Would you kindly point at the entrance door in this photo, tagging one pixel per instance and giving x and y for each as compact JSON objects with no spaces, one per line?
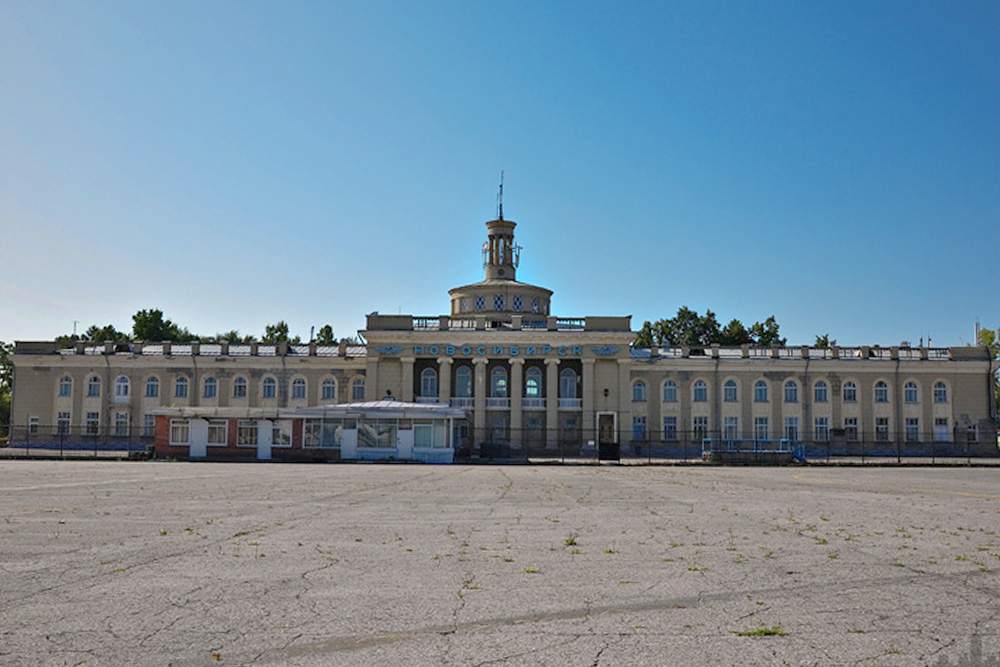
{"x":607,"y":443}
{"x":265,"y":429}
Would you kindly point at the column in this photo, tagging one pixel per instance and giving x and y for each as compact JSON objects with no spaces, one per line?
{"x":444,"y":380}
{"x":516,"y":389}
{"x":625,"y":401}
{"x":371,"y":381}
{"x":552,"y":403}
{"x":406,"y":395}
{"x":587,"y":424}
{"x":479,"y":413}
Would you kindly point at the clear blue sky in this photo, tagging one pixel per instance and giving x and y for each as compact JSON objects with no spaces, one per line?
{"x":834,"y":164}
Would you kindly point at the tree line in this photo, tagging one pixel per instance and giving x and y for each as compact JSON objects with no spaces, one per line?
{"x":690,"y":328}
{"x":150,"y":325}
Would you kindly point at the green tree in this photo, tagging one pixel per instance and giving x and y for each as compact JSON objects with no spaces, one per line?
{"x":767,"y":333}
{"x":991,"y":339}
{"x":6,"y":384}
{"x":150,"y":325}
{"x":108,"y":332}
{"x":734,"y":333}
{"x":325,"y":336}
{"x":644,"y":337}
{"x":233,"y":337}
{"x":824,"y":342}
{"x":278,"y":333}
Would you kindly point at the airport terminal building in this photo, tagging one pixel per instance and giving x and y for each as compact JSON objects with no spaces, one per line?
{"x":498,"y":375}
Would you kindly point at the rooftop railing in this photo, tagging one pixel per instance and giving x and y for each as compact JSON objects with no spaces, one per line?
{"x":485,"y":322}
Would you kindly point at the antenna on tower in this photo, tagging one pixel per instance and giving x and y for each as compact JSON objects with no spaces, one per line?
{"x":500,"y":198}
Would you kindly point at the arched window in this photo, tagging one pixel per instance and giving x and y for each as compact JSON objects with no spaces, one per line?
{"x":210,"y":388}
{"x":358,"y":389}
{"x":181,"y":387}
{"x":298,"y":388}
{"x":940,"y":392}
{"x":669,"y":391}
{"x":152,"y":387}
{"x":881,"y":392}
{"x":760,"y":391}
{"x":730,"y":391}
{"x":699,"y":393}
{"x":329,"y":389}
{"x":533,"y":382}
{"x":498,"y":382}
{"x":639,"y":391}
{"x":65,"y":386}
{"x":850,"y":392}
{"x":240,"y":387}
{"x":820,"y":392}
{"x":910,"y":393}
{"x":94,"y":386}
{"x":269,"y":388}
{"x":791,"y":392}
{"x":463,"y":382}
{"x":567,"y":383}
{"x":121,"y":387}
{"x":428,"y":383}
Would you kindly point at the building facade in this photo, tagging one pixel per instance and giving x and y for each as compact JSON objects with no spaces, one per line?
{"x":521,"y":379}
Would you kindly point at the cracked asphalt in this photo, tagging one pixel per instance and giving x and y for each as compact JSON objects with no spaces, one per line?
{"x":194,"y":564}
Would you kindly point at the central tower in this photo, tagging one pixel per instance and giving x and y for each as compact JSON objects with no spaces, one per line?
{"x":500,"y":255}
{"x":499,"y":296}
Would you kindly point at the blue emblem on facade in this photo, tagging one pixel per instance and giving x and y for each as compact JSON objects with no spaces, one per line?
{"x":605,"y":350}
{"x":388,"y":349}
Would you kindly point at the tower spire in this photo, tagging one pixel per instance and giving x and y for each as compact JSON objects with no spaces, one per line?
{"x":500,"y":198}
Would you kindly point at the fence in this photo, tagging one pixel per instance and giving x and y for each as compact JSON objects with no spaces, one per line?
{"x":75,"y":441}
{"x":581,"y":446}
{"x":569,"y":445}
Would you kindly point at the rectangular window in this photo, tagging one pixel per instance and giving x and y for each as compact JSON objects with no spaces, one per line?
{"x":851,"y":429}
{"x":881,"y":429}
{"x":246,"y":433}
{"x":912,"y":429}
{"x":941,"y":431}
{"x":792,"y":428}
{"x":218,"y":432}
{"x":93,"y":423}
{"x":731,"y":428}
{"x":148,"y":426}
{"x":700,"y":427}
{"x":281,"y":433}
{"x":179,"y":431}
{"x":62,"y":423}
{"x":377,"y":433}
{"x":670,"y":428}
{"x":32,"y":425}
{"x":972,"y":434}
{"x":760,"y":428}
{"x":430,"y":433}
{"x":639,"y":428}
{"x":822,"y":429}
{"x":121,"y":424}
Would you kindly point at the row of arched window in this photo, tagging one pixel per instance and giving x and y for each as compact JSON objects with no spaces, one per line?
{"x":821,"y":391}
{"x":499,"y":382}
{"x":210,"y":387}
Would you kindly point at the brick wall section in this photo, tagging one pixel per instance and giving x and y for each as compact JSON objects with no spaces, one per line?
{"x":297,"y":425}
